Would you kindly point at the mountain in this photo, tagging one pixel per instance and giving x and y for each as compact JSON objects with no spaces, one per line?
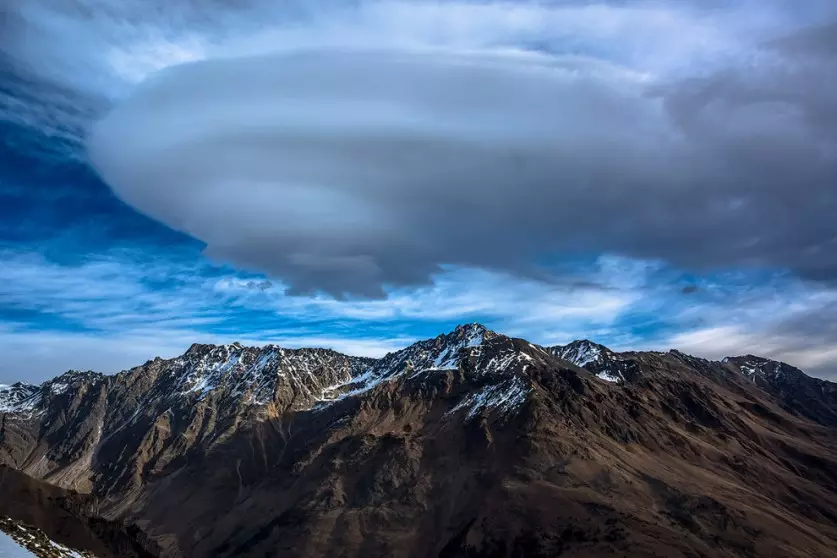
{"x":19,"y":397}
{"x":796,"y":392}
{"x":799,"y":393}
{"x":468,"y":444}
{"x":598,"y":359}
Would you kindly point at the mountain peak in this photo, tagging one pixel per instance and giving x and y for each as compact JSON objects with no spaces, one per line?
{"x":580,"y":352}
{"x":75,"y":374}
{"x":72,"y":378}
{"x":587,"y":343}
{"x":471,"y":326}
{"x":19,"y":397}
{"x":754,"y":367}
{"x":596,"y":358}
{"x":473,"y":332}
{"x":198,"y":349}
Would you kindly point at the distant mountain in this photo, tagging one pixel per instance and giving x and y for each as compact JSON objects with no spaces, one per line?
{"x":468,"y":444}
{"x":799,"y":393}
{"x":19,"y":397}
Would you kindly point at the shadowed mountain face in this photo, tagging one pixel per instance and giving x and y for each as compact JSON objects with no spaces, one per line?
{"x":469,"y":444}
{"x":65,"y":521}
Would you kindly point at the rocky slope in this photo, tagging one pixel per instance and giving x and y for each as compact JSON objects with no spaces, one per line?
{"x":83,"y":428}
{"x":468,"y":444}
{"x":799,"y":393}
{"x":53,"y":522}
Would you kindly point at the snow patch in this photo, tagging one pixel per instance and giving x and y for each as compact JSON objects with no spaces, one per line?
{"x":504,"y":397}
{"x":579,"y":353}
{"x":608,"y":377}
{"x":57,"y":388}
{"x":363,"y":383}
{"x":19,"y":398}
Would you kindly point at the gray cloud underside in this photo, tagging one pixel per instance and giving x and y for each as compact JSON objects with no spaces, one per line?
{"x":346,"y":171}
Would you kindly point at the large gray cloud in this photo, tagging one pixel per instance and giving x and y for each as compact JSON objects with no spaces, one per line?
{"x":345,"y":171}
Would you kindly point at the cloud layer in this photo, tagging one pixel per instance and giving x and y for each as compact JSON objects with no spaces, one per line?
{"x":345,"y":171}
{"x":344,"y":147}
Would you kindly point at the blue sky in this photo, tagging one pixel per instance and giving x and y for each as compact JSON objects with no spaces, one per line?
{"x":126,"y":235}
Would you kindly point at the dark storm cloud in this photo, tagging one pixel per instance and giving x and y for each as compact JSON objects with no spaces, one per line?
{"x":768,"y":133}
{"x":346,"y":171}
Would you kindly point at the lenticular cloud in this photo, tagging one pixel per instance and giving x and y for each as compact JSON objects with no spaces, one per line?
{"x":346,"y":172}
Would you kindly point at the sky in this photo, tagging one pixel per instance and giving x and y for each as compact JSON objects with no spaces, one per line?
{"x":360,"y":175}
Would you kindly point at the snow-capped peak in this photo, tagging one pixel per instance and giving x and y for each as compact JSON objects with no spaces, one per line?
{"x":474,"y":331}
{"x":581,"y":352}
{"x":26,"y":399}
{"x":254,"y":375}
{"x":598,"y":359}
{"x":19,"y":397}
{"x":442,"y":352}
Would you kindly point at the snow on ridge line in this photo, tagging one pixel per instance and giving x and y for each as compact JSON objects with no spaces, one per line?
{"x":443,"y":353}
{"x":766,"y":369}
{"x":367,"y":381}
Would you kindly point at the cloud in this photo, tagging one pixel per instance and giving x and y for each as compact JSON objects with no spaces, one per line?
{"x":346,"y":171}
{"x":120,"y":310}
{"x":71,"y":60}
{"x":662,"y":131}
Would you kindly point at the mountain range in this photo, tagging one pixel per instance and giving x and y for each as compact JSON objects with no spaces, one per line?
{"x":470,"y":444}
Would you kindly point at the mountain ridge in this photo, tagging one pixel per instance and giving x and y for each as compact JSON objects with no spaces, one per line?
{"x":581,"y":352}
{"x":440,"y":448}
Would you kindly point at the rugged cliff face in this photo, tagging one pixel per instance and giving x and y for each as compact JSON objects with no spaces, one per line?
{"x":469,"y":444}
{"x":84,"y":430}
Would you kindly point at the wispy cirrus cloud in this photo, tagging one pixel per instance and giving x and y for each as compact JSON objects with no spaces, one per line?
{"x":116,"y":312}
{"x":119,"y":293}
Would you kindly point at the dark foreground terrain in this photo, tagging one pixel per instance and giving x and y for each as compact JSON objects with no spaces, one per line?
{"x":470,"y":444}
{"x":63,"y":517}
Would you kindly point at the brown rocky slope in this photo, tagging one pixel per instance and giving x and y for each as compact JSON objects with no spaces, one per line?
{"x":469,"y":444}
